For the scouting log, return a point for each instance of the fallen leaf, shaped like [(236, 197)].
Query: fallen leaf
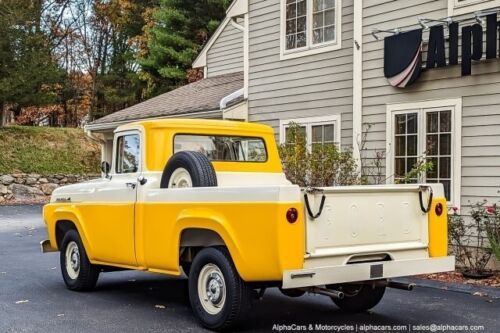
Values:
[(158, 306), (22, 301), (480, 294)]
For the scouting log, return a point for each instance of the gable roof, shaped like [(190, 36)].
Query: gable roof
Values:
[(194, 98), (236, 9)]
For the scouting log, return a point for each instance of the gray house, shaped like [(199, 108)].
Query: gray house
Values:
[(400, 80)]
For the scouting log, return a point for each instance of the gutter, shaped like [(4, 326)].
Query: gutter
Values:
[(231, 97), (92, 136)]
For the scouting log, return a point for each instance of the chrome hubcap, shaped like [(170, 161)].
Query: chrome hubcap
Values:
[(211, 289), (72, 260)]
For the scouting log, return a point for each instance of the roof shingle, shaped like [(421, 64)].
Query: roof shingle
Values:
[(200, 96)]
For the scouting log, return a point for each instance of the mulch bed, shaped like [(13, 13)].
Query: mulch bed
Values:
[(456, 277)]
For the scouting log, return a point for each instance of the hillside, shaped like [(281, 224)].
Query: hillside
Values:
[(45, 150)]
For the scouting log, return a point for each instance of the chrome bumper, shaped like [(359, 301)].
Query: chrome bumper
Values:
[(45, 246), (366, 271)]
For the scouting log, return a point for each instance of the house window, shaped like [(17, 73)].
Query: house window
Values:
[(428, 131), (128, 153), (458, 7), (310, 26), (317, 130)]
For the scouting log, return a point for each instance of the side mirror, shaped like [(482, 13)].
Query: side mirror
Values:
[(105, 168)]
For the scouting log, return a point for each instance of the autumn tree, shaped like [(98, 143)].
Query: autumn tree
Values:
[(29, 75)]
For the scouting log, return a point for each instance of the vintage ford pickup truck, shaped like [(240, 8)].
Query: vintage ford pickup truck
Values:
[(209, 199)]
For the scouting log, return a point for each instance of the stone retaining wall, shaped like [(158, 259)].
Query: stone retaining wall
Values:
[(33, 187)]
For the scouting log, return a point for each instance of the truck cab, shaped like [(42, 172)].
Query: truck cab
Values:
[(208, 199)]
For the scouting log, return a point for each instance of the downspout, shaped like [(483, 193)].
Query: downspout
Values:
[(98, 140), (236, 25), (357, 74)]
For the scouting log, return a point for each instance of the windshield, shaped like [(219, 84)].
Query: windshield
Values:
[(223, 148)]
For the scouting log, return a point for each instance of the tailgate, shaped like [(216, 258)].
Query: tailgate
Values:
[(367, 219)]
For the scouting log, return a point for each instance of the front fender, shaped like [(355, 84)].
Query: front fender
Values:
[(54, 213)]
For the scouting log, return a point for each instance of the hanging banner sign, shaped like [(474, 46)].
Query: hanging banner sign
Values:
[(403, 52)]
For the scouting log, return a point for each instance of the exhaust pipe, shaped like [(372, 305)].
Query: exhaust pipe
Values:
[(392, 284), (400, 285), (326, 292)]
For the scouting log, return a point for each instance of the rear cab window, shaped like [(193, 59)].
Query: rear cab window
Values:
[(223, 147)]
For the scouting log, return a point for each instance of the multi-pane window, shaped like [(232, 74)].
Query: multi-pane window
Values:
[(439, 148), (322, 135), (316, 130), (323, 21), (424, 134), (406, 146), (128, 154), (296, 24), (309, 24)]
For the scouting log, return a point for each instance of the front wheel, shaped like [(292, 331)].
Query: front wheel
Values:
[(77, 271), (219, 297), (358, 297)]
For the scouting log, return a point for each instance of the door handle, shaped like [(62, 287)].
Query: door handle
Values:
[(131, 185)]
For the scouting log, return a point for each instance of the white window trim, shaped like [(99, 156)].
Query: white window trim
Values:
[(115, 153), (312, 121), (456, 106), (471, 6), (312, 49)]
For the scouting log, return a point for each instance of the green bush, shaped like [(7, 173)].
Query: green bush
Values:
[(475, 237), (318, 165)]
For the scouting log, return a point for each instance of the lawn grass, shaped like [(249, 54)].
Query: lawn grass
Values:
[(45, 151)]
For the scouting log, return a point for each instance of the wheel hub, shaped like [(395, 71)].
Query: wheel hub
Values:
[(75, 259), (211, 289), (72, 260), (214, 288)]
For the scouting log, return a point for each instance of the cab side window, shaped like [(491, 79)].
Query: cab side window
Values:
[(128, 153)]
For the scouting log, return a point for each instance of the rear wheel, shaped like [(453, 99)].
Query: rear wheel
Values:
[(219, 297), (358, 297), (77, 271)]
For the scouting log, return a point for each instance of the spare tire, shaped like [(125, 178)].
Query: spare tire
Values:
[(188, 169)]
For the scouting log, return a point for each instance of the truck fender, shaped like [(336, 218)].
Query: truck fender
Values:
[(202, 218), (71, 214)]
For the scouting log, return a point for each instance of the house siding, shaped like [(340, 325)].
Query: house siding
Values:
[(226, 54), (308, 86), (480, 93)]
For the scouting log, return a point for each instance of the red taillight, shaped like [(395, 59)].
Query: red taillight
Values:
[(292, 215), (439, 209)]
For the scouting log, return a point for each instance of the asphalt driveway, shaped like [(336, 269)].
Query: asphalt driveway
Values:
[(33, 298)]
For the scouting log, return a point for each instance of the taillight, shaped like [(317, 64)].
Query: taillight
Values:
[(439, 209), (292, 215)]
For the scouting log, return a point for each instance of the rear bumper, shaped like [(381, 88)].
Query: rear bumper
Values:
[(366, 271), (45, 246)]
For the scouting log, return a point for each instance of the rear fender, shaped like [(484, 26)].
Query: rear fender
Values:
[(208, 219)]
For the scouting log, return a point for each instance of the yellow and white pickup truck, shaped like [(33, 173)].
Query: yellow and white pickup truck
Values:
[(209, 199)]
